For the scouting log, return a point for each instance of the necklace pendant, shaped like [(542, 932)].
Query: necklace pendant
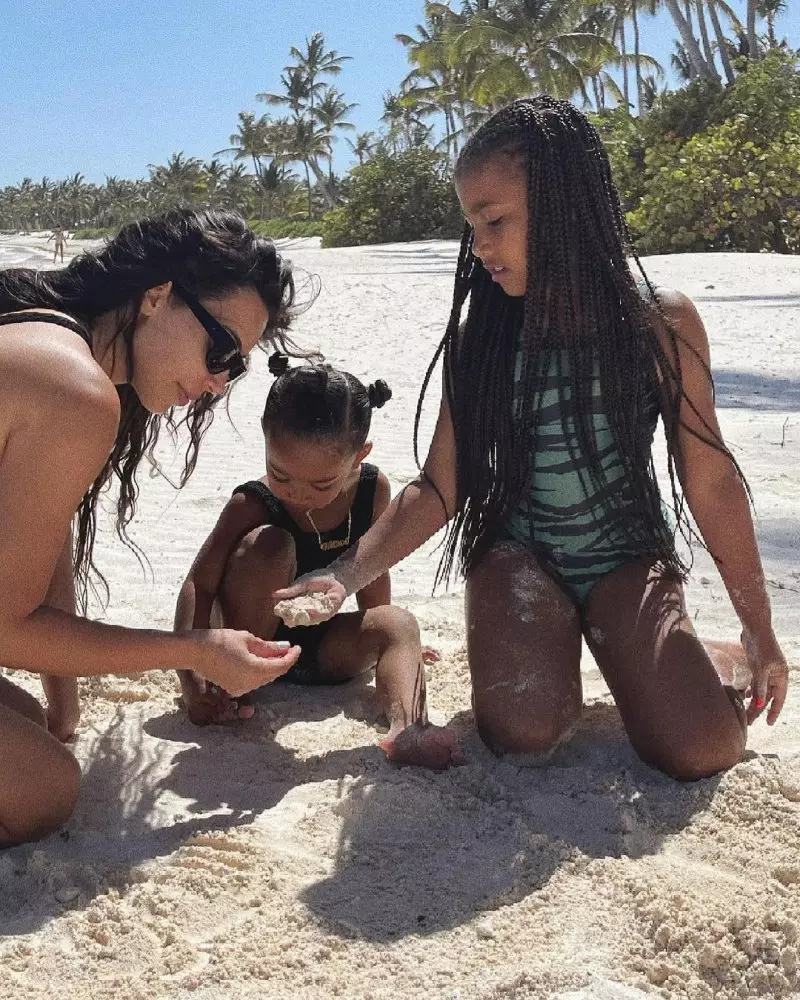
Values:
[(338, 543)]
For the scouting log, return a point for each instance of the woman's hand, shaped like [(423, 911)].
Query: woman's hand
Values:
[(239, 662), (770, 675), (324, 586)]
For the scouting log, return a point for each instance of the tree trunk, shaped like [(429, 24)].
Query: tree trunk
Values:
[(721, 43), (707, 50), (752, 41), (596, 90), (308, 186), (637, 55), (693, 52), (623, 48), (330, 201)]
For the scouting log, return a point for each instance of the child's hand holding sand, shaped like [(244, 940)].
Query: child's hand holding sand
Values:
[(311, 599)]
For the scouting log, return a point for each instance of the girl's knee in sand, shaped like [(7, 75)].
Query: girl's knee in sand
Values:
[(699, 755), (510, 732)]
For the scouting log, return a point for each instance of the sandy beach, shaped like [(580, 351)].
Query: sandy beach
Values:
[(285, 858)]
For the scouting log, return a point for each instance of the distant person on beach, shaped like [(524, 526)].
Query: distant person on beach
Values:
[(60, 239), (91, 358), (541, 462), (316, 500)]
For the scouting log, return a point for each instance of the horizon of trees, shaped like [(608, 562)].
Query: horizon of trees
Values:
[(466, 59)]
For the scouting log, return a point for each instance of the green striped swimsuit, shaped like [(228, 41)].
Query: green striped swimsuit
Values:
[(575, 533)]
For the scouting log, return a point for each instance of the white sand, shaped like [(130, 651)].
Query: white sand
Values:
[(285, 858)]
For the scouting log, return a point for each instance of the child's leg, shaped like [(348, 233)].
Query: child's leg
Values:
[(524, 650), (263, 562), (39, 779), (388, 639), (678, 715)]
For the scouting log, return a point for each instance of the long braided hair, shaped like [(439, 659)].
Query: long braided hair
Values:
[(207, 252), (581, 295)]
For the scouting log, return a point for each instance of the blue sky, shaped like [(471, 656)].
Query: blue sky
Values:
[(106, 88)]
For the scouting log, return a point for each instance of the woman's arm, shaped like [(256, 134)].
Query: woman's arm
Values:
[(63, 426), (720, 506)]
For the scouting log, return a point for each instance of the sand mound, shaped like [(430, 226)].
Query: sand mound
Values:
[(284, 857)]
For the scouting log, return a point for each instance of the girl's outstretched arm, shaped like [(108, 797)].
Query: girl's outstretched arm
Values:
[(411, 518), (718, 501)]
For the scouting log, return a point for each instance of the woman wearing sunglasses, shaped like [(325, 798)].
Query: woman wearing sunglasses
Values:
[(93, 357)]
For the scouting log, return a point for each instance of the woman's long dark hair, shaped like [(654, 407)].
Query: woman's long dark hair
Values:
[(580, 292), (208, 252)]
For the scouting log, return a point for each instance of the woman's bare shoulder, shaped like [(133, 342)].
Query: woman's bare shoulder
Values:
[(47, 369)]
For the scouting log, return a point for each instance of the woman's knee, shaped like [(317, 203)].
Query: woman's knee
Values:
[(19, 700), (50, 804)]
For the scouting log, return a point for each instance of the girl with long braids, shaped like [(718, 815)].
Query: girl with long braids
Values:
[(317, 498), (91, 359), (541, 460)]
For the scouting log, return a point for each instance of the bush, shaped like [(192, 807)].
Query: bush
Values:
[(93, 234), (393, 199), (280, 229), (712, 169)]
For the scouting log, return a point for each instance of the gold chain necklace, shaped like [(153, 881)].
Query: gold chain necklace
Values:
[(336, 543)]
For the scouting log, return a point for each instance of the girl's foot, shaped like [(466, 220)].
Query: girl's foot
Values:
[(422, 746), (215, 706)]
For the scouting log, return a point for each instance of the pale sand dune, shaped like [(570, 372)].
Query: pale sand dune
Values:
[(286, 858)]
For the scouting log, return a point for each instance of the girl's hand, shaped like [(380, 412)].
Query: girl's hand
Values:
[(770, 675), (323, 585), (430, 655), (239, 662)]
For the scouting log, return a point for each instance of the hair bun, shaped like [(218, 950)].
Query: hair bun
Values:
[(379, 394), (278, 364)]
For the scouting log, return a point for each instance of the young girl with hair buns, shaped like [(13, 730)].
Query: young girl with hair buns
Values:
[(317, 499)]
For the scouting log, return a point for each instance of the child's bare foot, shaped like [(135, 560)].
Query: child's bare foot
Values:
[(214, 706), (422, 746)]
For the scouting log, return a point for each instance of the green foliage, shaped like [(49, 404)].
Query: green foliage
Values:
[(713, 169), (279, 229), (406, 196), (94, 234)]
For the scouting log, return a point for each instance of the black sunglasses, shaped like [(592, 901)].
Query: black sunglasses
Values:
[(225, 353)]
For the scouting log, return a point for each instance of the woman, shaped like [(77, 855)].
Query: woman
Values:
[(91, 357)]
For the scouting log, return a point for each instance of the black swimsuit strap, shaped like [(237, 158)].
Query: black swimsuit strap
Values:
[(37, 316)]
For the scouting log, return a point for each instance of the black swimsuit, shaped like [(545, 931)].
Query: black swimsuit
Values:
[(36, 316), (310, 556)]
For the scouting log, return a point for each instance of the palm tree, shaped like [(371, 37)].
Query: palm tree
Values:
[(769, 10), (297, 91), (178, 183), (251, 141), (331, 112), (363, 146), (697, 62), (752, 40), (315, 62), (528, 46), (238, 188), (300, 140)]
